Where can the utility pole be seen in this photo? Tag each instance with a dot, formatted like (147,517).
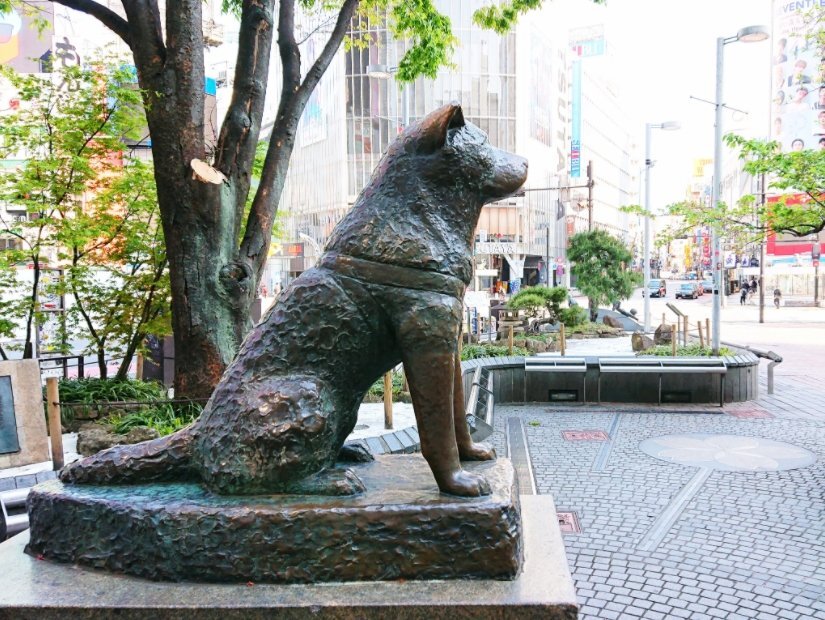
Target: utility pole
(762,257)
(590,184)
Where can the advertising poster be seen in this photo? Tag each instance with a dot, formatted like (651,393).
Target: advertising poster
(798,77)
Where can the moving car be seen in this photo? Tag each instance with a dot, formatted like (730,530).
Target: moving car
(657,287)
(688,290)
(707,285)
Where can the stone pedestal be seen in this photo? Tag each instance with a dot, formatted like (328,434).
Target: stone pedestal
(23,436)
(401,528)
(42,590)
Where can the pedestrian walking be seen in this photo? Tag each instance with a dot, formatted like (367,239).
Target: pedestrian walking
(777,297)
(743,294)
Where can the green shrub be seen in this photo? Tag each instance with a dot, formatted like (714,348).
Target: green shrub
(575,315)
(691,350)
(534,299)
(166,418)
(94,390)
(475,351)
(95,394)
(377,388)
(592,329)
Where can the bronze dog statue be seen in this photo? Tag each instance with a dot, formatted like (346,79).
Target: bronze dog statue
(388,289)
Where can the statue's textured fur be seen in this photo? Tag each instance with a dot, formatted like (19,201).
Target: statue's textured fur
(388,289)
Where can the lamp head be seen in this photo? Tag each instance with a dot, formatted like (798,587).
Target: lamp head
(752,34)
(380,72)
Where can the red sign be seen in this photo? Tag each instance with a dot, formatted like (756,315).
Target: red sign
(816,263)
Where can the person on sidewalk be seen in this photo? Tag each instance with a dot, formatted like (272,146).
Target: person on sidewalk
(777,297)
(743,294)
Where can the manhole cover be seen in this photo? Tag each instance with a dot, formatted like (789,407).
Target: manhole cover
(584,435)
(728,452)
(569,523)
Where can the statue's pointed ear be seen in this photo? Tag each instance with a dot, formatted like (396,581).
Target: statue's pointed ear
(433,128)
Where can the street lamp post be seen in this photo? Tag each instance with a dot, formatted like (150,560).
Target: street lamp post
(750,34)
(383,72)
(668,126)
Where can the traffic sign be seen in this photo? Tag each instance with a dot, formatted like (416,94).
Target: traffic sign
(816,263)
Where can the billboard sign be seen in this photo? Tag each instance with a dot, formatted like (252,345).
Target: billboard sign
(798,77)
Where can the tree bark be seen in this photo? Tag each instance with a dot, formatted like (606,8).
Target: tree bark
(213,280)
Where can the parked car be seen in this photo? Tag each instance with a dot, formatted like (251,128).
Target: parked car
(707,286)
(688,290)
(690,276)
(657,287)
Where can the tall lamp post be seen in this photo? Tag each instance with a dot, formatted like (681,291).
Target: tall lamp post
(749,34)
(668,126)
(383,72)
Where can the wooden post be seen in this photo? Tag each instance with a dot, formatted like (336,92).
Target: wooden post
(701,338)
(509,340)
(139,367)
(562,339)
(388,400)
(707,330)
(685,337)
(664,319)
(674,336)
(55,430)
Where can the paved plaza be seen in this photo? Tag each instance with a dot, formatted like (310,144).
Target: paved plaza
(728,522)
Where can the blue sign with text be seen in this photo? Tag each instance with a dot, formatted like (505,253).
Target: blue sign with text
(8,423)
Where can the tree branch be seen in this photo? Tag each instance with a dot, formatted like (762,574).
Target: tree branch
(294,96)
(288,49)
(321,64)
(106,16)
(241,127)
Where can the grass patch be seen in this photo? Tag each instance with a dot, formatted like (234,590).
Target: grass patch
(476,351)
(166,418)
(593,329)
(691,350)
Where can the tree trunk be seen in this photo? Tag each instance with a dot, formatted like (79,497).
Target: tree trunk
(101,361)
(594,309)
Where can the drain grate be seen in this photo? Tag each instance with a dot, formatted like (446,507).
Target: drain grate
(569,523)
(749,414)
(585,435)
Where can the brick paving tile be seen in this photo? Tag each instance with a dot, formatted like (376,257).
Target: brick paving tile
(747,545)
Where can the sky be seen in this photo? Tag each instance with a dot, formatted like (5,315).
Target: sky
(664,53)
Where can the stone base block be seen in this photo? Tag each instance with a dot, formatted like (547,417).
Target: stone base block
(42,590)
(401,528)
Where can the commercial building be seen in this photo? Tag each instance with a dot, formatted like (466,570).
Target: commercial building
(517,88)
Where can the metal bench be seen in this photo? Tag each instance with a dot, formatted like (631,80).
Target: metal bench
(556,363)
(662,366)
(13,515)
(481,397)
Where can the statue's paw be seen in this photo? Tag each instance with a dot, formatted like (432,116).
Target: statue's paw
(355,452)
(477,452)
(465,484)
(328,482)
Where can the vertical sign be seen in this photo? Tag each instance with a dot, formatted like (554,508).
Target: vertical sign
(798,78)
(576,120)
(8,423)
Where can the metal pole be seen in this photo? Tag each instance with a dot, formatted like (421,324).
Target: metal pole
(762,260)
(646,251)
(590,196)
(816,284)
(716,251)
(547,252)
(405,113)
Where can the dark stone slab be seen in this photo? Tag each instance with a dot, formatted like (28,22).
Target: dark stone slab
(402,527)
(39,590)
